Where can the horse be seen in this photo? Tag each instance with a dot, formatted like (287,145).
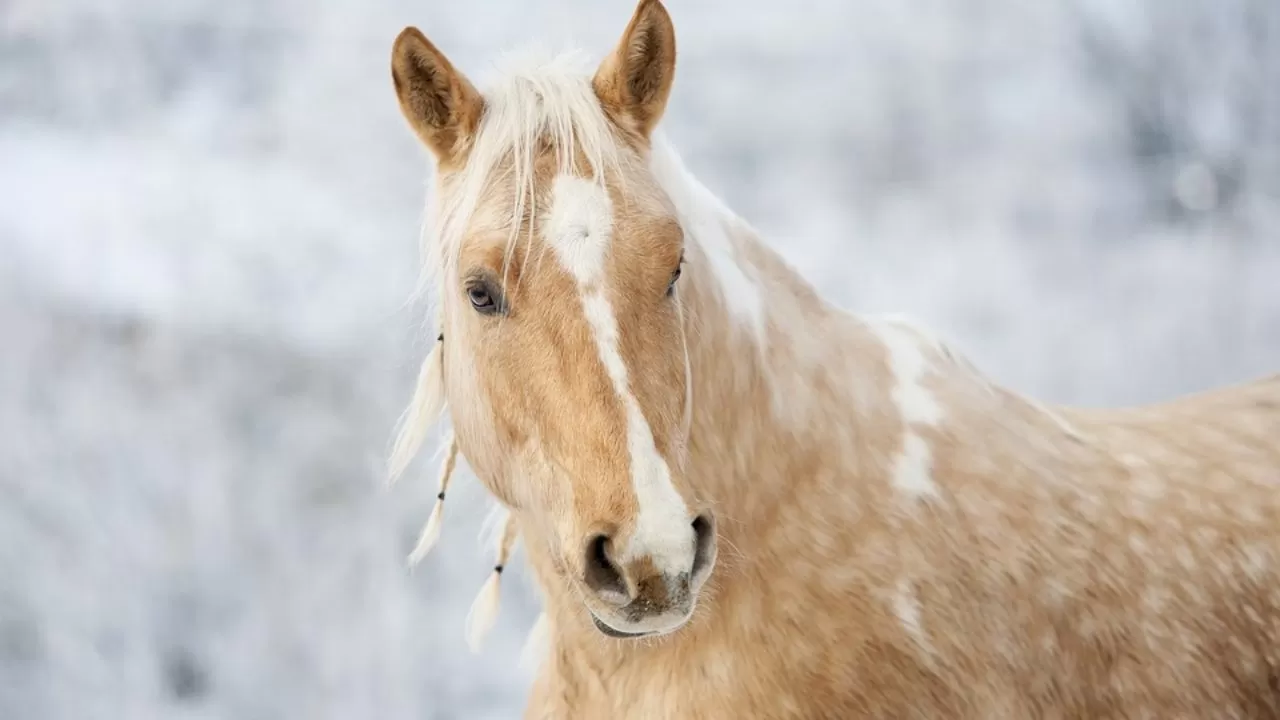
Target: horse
(740,501)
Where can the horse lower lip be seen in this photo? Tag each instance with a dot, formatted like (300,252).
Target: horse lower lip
(614,633)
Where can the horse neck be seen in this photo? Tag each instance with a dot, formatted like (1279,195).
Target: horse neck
(772,364)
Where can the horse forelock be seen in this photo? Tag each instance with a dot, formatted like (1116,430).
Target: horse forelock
(537,102)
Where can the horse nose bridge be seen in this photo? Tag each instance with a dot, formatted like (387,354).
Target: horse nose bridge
(660,549)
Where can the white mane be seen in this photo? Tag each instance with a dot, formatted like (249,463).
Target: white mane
(709,222)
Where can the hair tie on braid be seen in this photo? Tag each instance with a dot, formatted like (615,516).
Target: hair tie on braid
(431,532)
(484,610)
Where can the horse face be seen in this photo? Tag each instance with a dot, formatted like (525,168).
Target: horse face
(565,361)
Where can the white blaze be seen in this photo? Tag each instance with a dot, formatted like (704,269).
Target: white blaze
(579,228)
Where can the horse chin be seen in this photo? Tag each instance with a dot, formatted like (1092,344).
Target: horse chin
(613,632)
(602,627)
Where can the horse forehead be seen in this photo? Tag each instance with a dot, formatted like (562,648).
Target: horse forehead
(579,226)
(589,218)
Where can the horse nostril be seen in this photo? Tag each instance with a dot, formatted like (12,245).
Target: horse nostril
(602,575)
(704,531)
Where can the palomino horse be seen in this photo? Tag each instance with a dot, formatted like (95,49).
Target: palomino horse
(640,381)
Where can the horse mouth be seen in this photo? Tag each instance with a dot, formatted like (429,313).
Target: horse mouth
(615,633)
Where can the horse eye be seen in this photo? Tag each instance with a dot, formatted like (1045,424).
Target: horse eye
(481,300)
(674,277)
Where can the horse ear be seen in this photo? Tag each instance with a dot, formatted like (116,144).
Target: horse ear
(634,81)
(441,105)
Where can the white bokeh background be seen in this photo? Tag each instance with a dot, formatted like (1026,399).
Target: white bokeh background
(209,213)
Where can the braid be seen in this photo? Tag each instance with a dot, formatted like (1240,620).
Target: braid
(423,412)
(484,610)
(431,532)
(425,408)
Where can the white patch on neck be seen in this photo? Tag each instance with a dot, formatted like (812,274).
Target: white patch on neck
(907,607)
(707,222)
(913,469)
(579,228)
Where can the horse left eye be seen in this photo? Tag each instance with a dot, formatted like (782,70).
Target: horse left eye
(671,287)
(482,300)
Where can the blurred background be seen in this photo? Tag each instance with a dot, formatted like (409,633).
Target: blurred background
(209,213)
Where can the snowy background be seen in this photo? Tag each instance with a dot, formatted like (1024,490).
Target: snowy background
(208,223)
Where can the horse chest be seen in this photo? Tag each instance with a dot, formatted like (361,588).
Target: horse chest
(774,677)
(708,683)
